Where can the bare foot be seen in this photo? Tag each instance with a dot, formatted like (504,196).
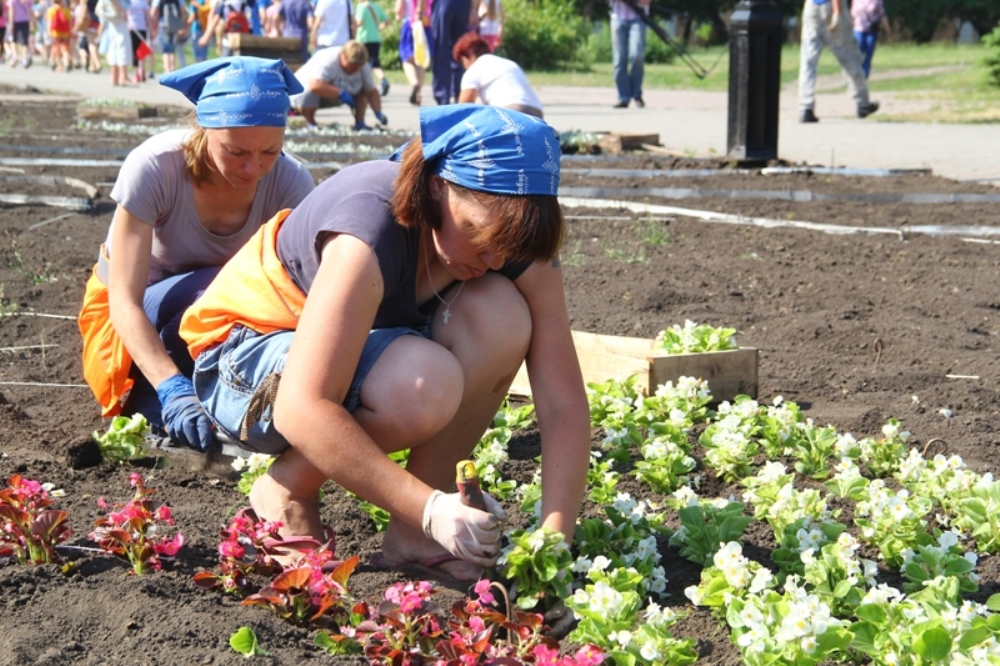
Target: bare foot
(299,516)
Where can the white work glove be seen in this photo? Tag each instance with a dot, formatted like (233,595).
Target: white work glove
(468,533)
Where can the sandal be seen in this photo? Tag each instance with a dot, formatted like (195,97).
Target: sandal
(428,568)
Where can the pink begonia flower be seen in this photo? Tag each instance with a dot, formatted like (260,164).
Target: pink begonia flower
(477,624)
(410,603)
(102,503)
(469,659)
(589,655)
(170,548)
(163,513)
(545,656)
(483,592)
(232,549)
(134,479)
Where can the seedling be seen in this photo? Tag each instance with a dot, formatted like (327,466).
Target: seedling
(135,531)
(29,530)
(125,439)
(245,642)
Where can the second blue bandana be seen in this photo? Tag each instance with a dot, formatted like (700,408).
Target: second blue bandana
(490,149)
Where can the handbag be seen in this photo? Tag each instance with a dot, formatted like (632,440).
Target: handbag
(421,49)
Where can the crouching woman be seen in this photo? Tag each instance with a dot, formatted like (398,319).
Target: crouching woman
(389,311)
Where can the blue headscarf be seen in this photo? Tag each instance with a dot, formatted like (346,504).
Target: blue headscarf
(239,91)
(491,149)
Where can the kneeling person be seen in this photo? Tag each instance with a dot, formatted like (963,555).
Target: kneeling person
(339,75)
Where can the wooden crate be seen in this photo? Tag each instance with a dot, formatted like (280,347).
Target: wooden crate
(288,49)
(604,357)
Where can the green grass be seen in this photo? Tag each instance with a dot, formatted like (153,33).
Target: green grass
(950,78)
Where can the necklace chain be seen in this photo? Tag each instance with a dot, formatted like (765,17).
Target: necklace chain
(446,315)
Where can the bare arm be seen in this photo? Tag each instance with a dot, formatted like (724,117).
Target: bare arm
(467,95)
(308,410)
(131,245)
(559,395)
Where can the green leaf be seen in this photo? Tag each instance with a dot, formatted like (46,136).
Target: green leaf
(933,644)
(244,641)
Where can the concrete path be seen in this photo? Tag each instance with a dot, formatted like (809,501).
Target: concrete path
(688,122)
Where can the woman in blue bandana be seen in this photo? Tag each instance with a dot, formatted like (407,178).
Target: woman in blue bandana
(392,310)
(187,200)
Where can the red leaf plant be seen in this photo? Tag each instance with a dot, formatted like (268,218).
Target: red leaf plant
(243,551)
(306,594)
(409,629)
(29,531)
(132,530)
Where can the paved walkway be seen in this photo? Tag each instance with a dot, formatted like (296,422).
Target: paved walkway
(688,122)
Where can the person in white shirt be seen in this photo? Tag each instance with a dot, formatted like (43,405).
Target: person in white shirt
(494,80)
(338,76)
(333,24)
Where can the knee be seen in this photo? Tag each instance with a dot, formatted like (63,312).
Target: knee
(500,320)
(432,400)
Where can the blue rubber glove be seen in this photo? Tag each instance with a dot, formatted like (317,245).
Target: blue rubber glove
(347,98)
(183,416)
(381,118)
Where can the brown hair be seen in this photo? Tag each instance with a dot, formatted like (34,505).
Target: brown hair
(529,228)
(469,45)
(196,152)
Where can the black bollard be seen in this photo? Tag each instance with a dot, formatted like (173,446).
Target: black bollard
(754,81)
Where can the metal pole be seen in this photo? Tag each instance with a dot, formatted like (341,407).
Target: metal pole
(754,81)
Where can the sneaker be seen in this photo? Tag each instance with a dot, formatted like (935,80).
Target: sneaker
(385,87)
(312,128)
(361,127)
(808,116)
(622,104)
(639,103)
(867,110)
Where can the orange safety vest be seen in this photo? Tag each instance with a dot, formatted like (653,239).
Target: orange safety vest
(252,289)
(106,362)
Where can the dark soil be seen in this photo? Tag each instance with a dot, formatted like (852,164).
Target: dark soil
(856,328)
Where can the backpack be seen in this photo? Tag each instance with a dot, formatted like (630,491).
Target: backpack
(60,22)
(236,20)
(170,16)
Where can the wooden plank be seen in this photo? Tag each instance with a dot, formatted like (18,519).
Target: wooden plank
(604,357)
(616,142)
(98,112)
(288,49)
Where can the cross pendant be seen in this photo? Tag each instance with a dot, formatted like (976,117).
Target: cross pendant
(446,315)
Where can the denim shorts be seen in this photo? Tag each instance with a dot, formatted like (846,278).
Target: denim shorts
(227,377)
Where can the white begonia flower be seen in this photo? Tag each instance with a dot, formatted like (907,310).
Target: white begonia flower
(845,443)
(729,554)
(807,556)
(600,563)
(693,594)
(971,558)
(762,580)
(582,564)
(754,639)
(771,471)
(239,462)
(605,599)
(881,594)
(624,504)
(686,496)
(623,638)
(948,539)
(808,644)
(649,652)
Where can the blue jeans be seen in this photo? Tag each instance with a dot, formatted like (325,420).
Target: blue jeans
(628,44)
(866,41)
(227,376)
(165,303)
